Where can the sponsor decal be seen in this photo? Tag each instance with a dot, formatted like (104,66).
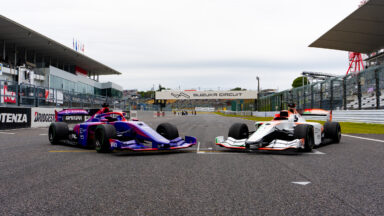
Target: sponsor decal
(113,144)
(13,118)
(44,117)
(73,118)
(73,111)
(7,96)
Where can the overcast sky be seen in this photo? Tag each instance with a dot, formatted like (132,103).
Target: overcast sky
(206,44)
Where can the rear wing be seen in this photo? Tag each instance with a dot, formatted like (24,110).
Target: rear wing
(317,112)
(71,115)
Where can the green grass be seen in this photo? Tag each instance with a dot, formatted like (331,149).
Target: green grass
(253,118)
(346,127)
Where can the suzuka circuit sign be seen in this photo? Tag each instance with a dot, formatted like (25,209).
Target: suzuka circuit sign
(186,95)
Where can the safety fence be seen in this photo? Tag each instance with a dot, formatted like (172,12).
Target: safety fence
(359,116)
(13,94)
(364,90)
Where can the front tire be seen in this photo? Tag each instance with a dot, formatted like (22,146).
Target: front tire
(57,131)
(303,131)
(102,135)
(168,131)
(332,130)
(238,131)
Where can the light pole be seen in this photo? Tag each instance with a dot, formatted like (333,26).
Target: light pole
(258,93)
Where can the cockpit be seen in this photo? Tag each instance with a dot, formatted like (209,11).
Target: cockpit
(283,115)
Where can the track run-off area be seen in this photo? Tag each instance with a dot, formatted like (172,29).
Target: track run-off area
(38,178)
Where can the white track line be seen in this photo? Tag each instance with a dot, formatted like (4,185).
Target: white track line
(198,148)
(314,151)
(6,133)
(364,138)
(301,183)
(43,134)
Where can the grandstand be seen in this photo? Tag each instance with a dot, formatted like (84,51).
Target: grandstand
(360,32)
(38,71)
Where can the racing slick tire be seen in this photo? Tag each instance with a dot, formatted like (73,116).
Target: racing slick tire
(332,130)
(57,131)
(102,135)
(168,131)
(238,131)
(303,131)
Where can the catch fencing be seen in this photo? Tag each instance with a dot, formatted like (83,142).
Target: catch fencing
(13,94)
(358,116)
(362,91)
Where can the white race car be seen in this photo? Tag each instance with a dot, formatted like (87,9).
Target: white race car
(287,131)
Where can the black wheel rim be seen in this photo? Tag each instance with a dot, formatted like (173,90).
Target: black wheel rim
(244,134)
(50,134)
(98,142)
(310,142)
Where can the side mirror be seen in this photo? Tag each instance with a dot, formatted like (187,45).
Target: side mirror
(296,118)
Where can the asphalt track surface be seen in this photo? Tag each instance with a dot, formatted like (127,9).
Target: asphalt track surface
(37,178)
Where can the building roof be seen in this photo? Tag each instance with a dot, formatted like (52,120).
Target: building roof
(362,31)
(16,34)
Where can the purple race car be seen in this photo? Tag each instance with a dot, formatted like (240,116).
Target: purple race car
(107,131)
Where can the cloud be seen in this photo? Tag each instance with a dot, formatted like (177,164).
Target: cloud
(202,43)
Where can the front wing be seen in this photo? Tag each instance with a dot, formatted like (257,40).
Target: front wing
(136,145)
(230,143)
(275,145)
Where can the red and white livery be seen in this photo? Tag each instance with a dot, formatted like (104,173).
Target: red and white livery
(287,131)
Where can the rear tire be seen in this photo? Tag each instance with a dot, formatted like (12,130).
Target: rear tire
(238,131)
(332,130)
(303,131)
(168,131)
(102,135)
(57,131)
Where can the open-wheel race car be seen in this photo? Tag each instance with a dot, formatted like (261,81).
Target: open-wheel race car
(287,131)
(107,131)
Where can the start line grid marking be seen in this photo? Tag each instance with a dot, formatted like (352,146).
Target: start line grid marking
(210,151)
(198,151)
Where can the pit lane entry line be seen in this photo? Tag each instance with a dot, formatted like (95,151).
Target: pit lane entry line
(363,138)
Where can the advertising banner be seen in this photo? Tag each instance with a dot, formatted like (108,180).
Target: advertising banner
(42,117)
(53,96)
(7,96)
(11,118)
(190,95)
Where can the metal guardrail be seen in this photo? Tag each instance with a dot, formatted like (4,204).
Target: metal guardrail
(364,116)
(242,113)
